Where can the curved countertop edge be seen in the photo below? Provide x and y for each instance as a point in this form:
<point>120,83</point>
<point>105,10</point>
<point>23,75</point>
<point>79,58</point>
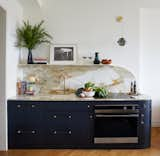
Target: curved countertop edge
<point>73,97</point>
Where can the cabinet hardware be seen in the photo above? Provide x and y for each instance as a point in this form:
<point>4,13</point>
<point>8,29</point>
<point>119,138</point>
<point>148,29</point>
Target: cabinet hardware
<point>125,108</point>
<point>54,116</point>
<point>142,115</point>
<point>18,106</point>
<point>91,117</point>
<point>70,132</point>
<point>109,116</point>
<point>55,132</point>
<point>88,106</point>
<point>69,116</point>
<point>142,122</point>
<point>33,132</point>
<point>33,106</point>
<point>19,132</point>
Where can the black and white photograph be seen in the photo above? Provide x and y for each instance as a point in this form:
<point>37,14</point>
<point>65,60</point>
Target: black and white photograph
<point>63,54</point>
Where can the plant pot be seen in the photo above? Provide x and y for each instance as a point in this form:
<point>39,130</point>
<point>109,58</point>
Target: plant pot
<point>89,94</point>
<point>30,59</point>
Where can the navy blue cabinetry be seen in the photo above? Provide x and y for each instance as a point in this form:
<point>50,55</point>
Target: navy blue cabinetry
<point>79,124</point>
<point>49,124</point>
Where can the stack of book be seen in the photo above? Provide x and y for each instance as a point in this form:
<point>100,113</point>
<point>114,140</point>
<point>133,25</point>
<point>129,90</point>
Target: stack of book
<point>40,61</point>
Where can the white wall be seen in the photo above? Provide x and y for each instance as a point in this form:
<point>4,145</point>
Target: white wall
<point>91,24</point>
<point>14,16</point>
<point>150,58</point>
<point>2,69</point>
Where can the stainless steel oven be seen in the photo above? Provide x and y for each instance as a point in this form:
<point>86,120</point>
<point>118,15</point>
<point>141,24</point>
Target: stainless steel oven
<point>116,124</point>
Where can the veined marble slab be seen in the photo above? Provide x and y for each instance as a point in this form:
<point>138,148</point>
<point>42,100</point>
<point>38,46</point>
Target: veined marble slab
<point>115,79</point>
<point>73,97</point>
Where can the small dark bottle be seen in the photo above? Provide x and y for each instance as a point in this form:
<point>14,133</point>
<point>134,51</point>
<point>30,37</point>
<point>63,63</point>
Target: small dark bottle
<point>96,60</point>
<point>131,88</point>
<point>135,88</point>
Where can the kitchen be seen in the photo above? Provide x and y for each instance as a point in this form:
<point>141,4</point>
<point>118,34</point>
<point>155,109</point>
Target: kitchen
<point>84,76</point>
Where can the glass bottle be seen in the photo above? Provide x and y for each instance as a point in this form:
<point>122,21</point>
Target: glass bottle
<point>96,60</point>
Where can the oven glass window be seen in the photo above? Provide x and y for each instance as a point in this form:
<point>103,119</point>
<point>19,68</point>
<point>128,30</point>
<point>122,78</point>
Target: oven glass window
<point>116,126</point>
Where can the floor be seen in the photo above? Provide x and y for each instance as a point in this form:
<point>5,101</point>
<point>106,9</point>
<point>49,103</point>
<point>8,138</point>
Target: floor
<point>153,151</point>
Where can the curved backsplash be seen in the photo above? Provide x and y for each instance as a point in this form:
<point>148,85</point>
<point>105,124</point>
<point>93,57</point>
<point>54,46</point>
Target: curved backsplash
<point>52,77</point>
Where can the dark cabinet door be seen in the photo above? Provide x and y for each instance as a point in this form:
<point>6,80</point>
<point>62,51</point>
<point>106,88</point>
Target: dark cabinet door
<point>69,129</point>
<point>49,124</point>
<point>25,124</point>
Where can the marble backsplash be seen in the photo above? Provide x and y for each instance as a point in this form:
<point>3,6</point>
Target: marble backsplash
<point>52,77</point>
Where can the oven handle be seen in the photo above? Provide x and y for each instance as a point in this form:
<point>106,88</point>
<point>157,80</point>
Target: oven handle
<point>108,116</point>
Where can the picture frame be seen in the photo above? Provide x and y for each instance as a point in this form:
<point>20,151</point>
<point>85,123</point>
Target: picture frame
<point>63,54</point>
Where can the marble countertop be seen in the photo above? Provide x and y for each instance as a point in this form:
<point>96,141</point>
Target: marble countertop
<point>73,97</point>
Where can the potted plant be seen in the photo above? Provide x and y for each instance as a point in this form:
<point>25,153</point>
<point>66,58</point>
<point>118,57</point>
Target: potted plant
<point>89,89</point>
<point>100,92</point>
<point>30,37</point>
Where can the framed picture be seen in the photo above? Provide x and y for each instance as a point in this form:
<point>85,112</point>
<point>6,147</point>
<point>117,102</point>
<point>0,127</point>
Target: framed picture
<point>63,54</point>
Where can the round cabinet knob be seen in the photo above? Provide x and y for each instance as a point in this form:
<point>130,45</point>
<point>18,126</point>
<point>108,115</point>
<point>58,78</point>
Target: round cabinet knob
<point>55,132</point>
<point>125,108</point>
<point>18,106</point>
<point>70,132</point>
<point>142,115</point>
<point>33,106</point>
<point>33,132</point>
<point>88,106</point>
<point>91,117</point>
<point>69,116</point>
<point>54,116</point>
<point>133,108</point>
<point>19,132</point>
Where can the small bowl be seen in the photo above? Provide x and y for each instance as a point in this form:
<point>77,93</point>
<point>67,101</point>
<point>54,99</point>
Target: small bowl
<point>89,94</point>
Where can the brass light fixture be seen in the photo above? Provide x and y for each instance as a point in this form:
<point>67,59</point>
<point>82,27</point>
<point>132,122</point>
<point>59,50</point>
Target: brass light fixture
<point>121,41</point>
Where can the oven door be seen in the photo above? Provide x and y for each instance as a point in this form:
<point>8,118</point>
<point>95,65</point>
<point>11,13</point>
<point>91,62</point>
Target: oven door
<point>116,127</point>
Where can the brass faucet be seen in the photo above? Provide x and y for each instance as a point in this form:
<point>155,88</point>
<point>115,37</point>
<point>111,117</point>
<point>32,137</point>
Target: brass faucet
<point>63,76</point>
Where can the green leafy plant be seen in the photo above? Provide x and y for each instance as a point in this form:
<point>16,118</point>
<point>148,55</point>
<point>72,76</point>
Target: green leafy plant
<point>30,37</point>
<point>100,92</point>
<point>89,86</point>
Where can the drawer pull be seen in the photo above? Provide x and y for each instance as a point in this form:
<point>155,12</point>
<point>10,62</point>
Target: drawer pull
<point>91,117</point>
<point>54,116</point>
<point>69,116</point>
<point>55,132</point>
<point>70,132</point>
<point>18,106</point>
<point>142,115</point>
<point>33,132</point>
<point>88,106</point>
<point>33,106</point>
<point>19,132</point>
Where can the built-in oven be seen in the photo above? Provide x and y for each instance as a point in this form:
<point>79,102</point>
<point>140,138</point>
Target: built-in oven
<point>116,124</point>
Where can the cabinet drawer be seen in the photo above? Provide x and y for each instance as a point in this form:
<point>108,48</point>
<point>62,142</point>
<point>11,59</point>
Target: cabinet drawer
<point>67,136</point>
<point>58,118</point>
<point>21,106</point>
<point>25,138</point>
<point>65,119</point>
<point>71,131</point>
<point>61,106</point>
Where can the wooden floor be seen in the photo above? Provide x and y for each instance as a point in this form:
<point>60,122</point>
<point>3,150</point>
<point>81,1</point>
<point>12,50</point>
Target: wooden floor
<point>153,151</point>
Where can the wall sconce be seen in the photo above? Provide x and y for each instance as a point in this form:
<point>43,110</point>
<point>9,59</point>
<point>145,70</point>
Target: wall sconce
<point>119,19</point>
<point>121,41</point>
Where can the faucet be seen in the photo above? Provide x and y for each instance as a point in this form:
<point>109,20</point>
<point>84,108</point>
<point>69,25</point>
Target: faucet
<point>64,75</point>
